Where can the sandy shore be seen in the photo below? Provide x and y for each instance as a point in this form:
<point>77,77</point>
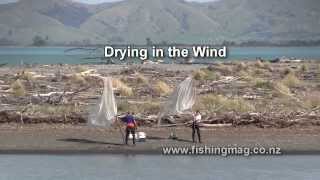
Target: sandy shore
<point>67,139</point>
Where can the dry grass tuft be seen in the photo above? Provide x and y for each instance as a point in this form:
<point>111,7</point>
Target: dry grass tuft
<point>263,84</point>
<point>26,75</point>
<point>206,74</point>
<point>123,89</point>
<point>220,104</point>
<point>51,109</point>
<point>18,88</point>
<point>281,89</point>
<point>312,100</point>
<point>161,88</point>
<point>287,71</point>
<point>80,69</point>
<point>141,79</point>
<point>303,68</point>
<point>259,64</point>
<point>148,107</point>
<point>78,79</point>
<point>291,80</point>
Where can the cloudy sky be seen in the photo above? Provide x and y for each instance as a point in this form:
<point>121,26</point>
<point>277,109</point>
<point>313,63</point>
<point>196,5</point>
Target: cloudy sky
<point>96,1</point>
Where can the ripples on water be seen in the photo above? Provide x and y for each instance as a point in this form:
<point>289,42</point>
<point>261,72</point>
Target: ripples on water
<point>101,167</point>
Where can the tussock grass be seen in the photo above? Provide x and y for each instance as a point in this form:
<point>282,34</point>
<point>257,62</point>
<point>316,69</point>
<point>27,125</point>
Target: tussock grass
<point>245,76</point>
<point>278,87</point>
<point>206,74</point>
<point>199,75</point>
<point>123,89</point>
<point>287,71</point>
<point>18,89</point>
<point>147,107</point>
<point>78,79</point>
<point>51,109</point>
<point>225,69</point>
<point>312,100</point>
<point>281,89</point>
<point>220,104</point>
<point>303,68</point>
<point>260,64</point>
<point>318,68</point>
<point>141,79</point>
<point>161,88</point>
<point>80,69</point>
<point>26,75</point>
<point>256,72</point>
<point>242,66</point>
<point>263,84</point>
<point>291,80</point>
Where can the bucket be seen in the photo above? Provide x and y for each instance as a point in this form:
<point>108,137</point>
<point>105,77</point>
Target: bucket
<point>140,136</point>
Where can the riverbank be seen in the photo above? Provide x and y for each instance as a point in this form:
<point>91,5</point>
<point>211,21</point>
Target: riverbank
<point>45,108</point>
<point>71,139</point>
<point>264,94</point>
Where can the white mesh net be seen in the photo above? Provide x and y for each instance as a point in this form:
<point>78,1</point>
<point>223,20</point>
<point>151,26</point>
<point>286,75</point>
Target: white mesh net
<point>106,111</point>
<point>181,100</point>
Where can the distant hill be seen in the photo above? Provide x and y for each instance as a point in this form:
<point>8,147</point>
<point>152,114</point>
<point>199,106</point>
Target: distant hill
<point>132,21</point>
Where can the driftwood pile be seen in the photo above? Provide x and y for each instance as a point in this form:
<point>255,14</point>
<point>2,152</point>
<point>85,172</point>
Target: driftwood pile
<point>261,120</point>
<point>16,117</point>
<point>267,120</point>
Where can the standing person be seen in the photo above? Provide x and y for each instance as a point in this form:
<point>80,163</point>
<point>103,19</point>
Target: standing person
<point>195,126</point>
<point>131,127</point>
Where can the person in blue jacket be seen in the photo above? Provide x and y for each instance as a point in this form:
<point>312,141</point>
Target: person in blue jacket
<point>131,126</point>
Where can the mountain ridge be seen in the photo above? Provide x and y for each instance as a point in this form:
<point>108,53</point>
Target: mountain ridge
<point>133,21</point>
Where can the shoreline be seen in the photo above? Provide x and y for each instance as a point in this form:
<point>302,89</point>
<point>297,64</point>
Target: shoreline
<point>84,140</point>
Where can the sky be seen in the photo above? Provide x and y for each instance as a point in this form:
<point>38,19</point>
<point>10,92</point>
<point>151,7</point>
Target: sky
<point>96,1</point>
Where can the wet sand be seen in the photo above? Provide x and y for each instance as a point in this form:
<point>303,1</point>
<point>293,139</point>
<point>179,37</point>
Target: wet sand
<point>81,139</point>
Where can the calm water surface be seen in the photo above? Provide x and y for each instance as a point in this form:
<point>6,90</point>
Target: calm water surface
<point>98,167</point>
<point>56,55</point>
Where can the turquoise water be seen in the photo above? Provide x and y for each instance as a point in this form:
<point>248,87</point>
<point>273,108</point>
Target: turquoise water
<point>101,167</point>
<point>56,55</point>
<point>46,55</point>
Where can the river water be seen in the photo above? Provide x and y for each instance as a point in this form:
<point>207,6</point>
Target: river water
<point>118,167</point>
<point>56,55</point>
